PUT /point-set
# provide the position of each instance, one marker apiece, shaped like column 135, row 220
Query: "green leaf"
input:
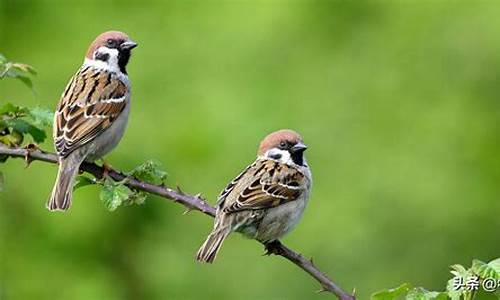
column 9, row 137
column 82, row 181
column 17, row 70
column 149, row 171
column 12, row 110
column 41, row 116
column 25, row 68
column 485, row 270
column 26, row 80
column 24, row 127
column 13, row 124
column 458, row 271
column 113, row 194
column 423, row 294
column 390, row 294
column 137, row 197
column 495, row 264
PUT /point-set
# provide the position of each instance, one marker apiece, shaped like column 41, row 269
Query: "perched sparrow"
column 93, row 111
column 267, row 199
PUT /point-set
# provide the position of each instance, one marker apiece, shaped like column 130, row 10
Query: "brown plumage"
column 266, row 200
column 267, row 183
column 88, row 107
column 92, row 113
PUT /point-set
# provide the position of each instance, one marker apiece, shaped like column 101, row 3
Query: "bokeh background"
column 398, row 101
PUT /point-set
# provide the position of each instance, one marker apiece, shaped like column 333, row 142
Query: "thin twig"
column 191, row 202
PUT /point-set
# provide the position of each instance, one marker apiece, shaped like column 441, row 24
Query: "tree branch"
column 191, row 203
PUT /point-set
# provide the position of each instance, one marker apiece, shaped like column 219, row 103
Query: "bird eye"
column 110, row 42
column 283, row 144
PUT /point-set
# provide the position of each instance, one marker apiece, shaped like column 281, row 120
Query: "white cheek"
column 110, row 64
column 113, row 54
column 284, row 155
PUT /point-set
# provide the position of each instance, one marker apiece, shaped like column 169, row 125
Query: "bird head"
column 111, row 49
column 285, row 146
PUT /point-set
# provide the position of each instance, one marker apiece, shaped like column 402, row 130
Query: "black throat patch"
column 123, row 57
column 298, row 158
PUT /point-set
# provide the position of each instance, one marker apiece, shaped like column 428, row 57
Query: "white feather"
column 284, row 156
column 110, row 65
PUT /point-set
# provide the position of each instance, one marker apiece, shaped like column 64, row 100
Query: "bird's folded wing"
column 265, row 184
column 90, row 104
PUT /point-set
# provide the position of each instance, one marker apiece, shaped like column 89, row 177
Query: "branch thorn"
column 179, row 189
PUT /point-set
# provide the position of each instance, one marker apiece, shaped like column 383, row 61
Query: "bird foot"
column 106, row 169
column 273, row 247
column 29, row 149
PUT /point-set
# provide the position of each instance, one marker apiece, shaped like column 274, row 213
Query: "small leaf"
column 461, row 274
column 137, row 197
column 26, row 80
column 7, row 109
column 113, row 194
column 459, row 270
column 41, row 116
column 495, row 265
column 390, row 294
column 11, row 138
column 82, row 181
column 19, row 71
column 422, row 294
column 485, row 270
column 24, row 68
column 12, row 110
column 24, row 127
column 149, row 171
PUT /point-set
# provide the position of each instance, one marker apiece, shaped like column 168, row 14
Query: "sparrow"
column 92, row 113
column 267, row 199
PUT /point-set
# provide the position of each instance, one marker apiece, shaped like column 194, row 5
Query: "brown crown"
column 274, row 139
column 101, row 40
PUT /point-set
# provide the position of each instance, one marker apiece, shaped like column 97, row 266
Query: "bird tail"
column 208, row 251
column 62, row 192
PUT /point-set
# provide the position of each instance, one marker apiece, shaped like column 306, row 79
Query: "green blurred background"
column 398, row 101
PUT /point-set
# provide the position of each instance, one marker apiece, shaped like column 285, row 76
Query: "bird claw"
column 29, row 149
column 273, row 247
column 106, row 169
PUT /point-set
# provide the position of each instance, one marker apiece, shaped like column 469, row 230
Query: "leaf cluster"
column 114, row 194
column 482, row 270
column 17, row 122
column 16, row 70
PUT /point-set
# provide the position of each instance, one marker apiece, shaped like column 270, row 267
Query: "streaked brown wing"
column 229, row 188
column 265, row 184
column 89, row 105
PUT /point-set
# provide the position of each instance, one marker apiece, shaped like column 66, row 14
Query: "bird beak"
column 299, row 147
column 128, row 45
